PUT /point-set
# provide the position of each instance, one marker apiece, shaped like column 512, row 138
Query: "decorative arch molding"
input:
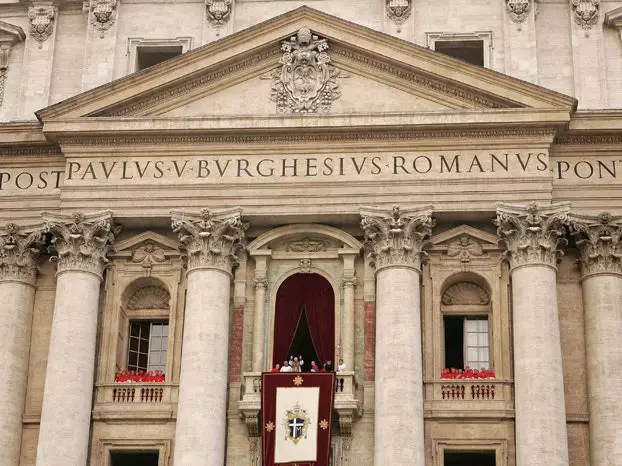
column 465, row 293
column 304, row 230
column 146, row 293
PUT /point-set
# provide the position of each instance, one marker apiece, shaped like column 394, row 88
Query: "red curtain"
column 313, row 294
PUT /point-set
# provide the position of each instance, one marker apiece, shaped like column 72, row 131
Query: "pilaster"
column 101, row 39
column 38, row 58
column 9, row 36
column 521, row 55
column 588, row 54
column 260, row 283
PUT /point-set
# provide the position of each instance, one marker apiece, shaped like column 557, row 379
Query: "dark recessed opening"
column 134, row 458
column 471, row 458
column 150, row 56
column 454, row 341
column 471, row 51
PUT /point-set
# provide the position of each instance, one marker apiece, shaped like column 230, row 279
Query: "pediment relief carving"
column 467, row 237
column 145, row 241
column 149, row 297
column 464, row 294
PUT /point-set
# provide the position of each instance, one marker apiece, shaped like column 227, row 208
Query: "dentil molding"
column 210, row 239
column 82, row 241
column 532, row 234
column 397, row 238
column 19, row 251
column 598, row 242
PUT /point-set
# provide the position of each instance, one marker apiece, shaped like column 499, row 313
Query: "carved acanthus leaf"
column 397, row 238
column 41, row 22
column 518, row 10
column 150, row 297
column 19, row 251
column 533, row 234
column 598, row 242
column 210, row 239
column 81, row 240
column 586, row 13
column 218, row 11
column 305, row 82
column 399, row 10
column 465, row 293
column 306, row 245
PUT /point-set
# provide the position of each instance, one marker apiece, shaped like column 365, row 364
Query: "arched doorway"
column 304, row 321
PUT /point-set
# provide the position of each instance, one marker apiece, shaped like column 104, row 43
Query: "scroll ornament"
column 210, row 239
column 397, row 239
column 306, row 82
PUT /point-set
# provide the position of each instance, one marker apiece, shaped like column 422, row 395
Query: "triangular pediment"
column 148, row 241
column 465, row 237
column 375, row 72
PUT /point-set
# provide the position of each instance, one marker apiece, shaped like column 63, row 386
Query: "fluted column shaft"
column 532, row 235
column 82, row 242
column 18, row 255
column 258, row 326
column 348, row 323
column 598, row 241
column 210, row 241
column 395, row 243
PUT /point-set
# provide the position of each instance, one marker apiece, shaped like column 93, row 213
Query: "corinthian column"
column 396, row 241
column 19, row 250
column 210, row 241
column 600, row 249
column 82, row 242
column 532, row 235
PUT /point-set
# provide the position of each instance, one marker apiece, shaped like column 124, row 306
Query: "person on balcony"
column 286, row 367
column 314, row 367
column 329, row 366
column 342, row 366
column 276, row 368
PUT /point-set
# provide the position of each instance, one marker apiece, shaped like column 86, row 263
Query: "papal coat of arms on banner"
column 296, row 423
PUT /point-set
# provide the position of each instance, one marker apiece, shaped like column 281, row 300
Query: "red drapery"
column 313, row 294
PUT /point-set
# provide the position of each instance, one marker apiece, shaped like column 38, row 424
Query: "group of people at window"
column 296, row 363
column 467, row 373
column 139, row 376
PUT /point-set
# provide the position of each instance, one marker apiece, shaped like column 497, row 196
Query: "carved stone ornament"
column 210, row 239
column 147, row 255
column 305, row 266
column 586, row 13
column 9, row 35
column 149, row 297
column 218, row 12
column 465, row 293
column 464, row 248
column 306, row 245
column 518, row 9
column 598, row 242
column 532, row 234
column 253, row 450
column 260, row 283
column 306, row 82
column 102, row 14
column 399, row 10
column 19, row 251
column 397, row 239
column 81, row 240
column 41, row 22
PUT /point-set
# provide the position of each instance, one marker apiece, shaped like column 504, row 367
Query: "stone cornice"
column 81, row 240
column 38, row 150
column 396, row 239
column 20, row 246
column 532, row 234
column 598, row 241
column 210, row 239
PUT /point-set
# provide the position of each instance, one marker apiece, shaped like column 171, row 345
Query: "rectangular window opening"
column 469, row 458
column 466, row 342
column 147, row 346
column 144, row 458
column 470, row 51
column 147, row 56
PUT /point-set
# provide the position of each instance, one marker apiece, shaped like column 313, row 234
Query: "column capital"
column 210, row 239
column 397, row 238
column 19, row 251
column 81, row 240
column 348, row 281
column 260, row 283
column 598, row 241
column 532, row 234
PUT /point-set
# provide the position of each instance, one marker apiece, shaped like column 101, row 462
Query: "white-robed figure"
column 286, row 367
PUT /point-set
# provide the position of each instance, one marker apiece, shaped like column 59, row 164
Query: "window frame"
column 499, row 446
column 106, row 447
column 472, row 311
column 485, row 36
column 149, row 344
column 135, row 43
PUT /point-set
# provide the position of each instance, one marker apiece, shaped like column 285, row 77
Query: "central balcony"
column 469, row 398
column 135, row 399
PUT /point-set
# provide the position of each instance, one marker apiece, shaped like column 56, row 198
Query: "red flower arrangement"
column 139, row 376
column 467, row 373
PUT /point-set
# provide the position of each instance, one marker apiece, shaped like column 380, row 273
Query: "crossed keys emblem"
column 296, row 423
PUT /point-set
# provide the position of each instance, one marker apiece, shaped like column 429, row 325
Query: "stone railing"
column 473, row 397
column 134, row 399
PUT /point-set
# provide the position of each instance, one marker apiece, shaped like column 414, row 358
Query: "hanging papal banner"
column 297, row 410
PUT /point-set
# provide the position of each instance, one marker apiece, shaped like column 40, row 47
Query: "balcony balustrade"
column 469, row 397
column 135, row 399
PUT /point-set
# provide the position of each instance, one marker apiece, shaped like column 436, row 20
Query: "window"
column 469, row 458
column 472, row 48
column 144, row 53
column 466, row 342
column 147, row 345
column 134, row 459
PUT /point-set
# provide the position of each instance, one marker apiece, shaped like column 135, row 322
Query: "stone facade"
column 325, row 138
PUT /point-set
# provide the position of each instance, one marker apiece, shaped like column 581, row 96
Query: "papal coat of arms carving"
column 296, row 423
column 306, row 82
